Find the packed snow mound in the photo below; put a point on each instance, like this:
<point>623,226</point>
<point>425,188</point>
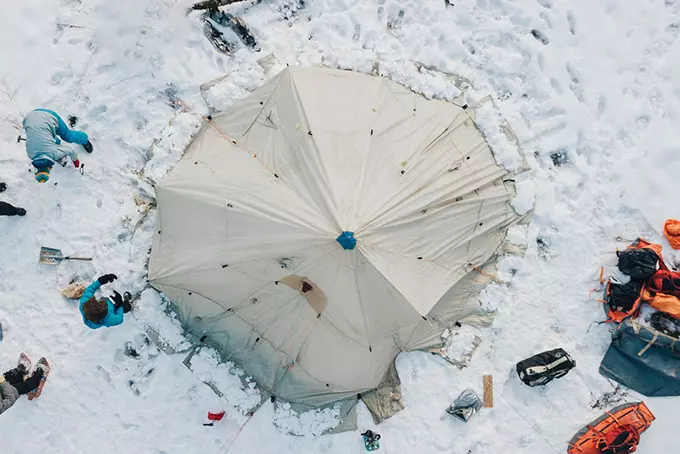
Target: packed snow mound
<point>156,316</point>
<point>526,198</point>
<point>306,423</point>
<point>496,131</point>
<point>460,343</point>
<point>225,378</point>
<point>168,148</point>
<point>235,386</point>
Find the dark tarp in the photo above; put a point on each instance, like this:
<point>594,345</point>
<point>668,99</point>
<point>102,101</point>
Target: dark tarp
<point>643,359</point>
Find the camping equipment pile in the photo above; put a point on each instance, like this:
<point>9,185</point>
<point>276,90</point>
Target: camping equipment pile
<point>644,354</point>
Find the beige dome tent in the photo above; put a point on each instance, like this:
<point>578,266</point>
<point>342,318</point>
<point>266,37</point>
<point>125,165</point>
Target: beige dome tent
<point>324,224</point>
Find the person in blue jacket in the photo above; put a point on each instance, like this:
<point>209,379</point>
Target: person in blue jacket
<point>45,131</point>
<point>103,312</point>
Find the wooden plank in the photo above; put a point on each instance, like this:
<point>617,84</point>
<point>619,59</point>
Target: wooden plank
<point>488,391</point>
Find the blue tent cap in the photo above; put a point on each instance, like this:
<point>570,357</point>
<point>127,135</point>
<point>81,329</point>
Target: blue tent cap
<point>347,240</point>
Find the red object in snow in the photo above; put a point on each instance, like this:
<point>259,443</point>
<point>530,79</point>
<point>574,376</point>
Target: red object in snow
<point>216,416</point>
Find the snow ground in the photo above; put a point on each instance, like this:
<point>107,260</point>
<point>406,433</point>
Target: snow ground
<point>597,81</point>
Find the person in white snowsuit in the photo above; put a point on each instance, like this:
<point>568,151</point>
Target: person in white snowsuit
<point>17,382</point>
<point>9,210</point>
<point>45,131</point>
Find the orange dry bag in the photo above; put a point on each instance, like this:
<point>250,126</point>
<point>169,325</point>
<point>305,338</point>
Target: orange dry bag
<point>672,231</point>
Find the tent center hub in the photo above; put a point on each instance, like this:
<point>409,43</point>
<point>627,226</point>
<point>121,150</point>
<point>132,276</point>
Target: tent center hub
<point>347,240</point>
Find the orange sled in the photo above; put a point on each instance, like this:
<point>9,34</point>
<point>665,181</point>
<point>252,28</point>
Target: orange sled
<point>632,418</point>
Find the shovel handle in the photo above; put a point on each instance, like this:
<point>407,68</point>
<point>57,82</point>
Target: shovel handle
<point>78,258</point>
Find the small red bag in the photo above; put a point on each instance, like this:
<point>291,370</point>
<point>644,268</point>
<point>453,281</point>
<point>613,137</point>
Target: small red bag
<point>216,416</point>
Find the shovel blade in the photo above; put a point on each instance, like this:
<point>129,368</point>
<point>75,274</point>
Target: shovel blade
<point>50,256</point>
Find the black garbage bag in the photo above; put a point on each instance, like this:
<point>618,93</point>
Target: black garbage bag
<point>665,323</point>
<point>622,297</point>
<point>639,264</point>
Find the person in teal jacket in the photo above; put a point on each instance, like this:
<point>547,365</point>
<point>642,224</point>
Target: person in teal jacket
<point>103,312</point>
<point>45,131</point>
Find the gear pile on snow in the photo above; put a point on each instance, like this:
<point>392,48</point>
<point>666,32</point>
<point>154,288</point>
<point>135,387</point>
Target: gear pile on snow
<point>651,282</point>
<point>643,354</point>
<point>639,261</point>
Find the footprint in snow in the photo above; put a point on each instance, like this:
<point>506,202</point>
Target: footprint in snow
<point>571,74</point>
<point>601,105</point>
<point>546,19</point>
<point>395,23</point>
<point>97,111</point>
<point>572,23</point>
<point>540,36</point>
<point>59,76</point>
<point>105,68</point>
<point>642,122</point>
<point>541,61</point>
<point>357,32</point>
<point>381,8</point>
<point>556,85</point>
<point>574,86</point>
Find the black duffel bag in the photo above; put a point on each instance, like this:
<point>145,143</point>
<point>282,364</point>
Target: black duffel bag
<point>622,297</point>
<point>545,367</point>
<point>639,264</point>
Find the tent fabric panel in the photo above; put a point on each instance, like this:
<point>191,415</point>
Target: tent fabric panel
<point>356,368</point>
<point>457,304</point>
<point>239,118</point>
<point>209,221</point>
<point>380,297</point>
<point>412,162</point>
<point>422,269</point>
<point>233,285</point>
<point>283,141</point>
<point>339,107</point>
<point>300,387</point>
<point>173,238</point>
<point>431,179</point>
<point>230,334</point>
<point>193,310</point>
<point>282,317</point>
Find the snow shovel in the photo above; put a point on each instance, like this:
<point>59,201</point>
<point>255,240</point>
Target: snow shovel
<point>50,256</point>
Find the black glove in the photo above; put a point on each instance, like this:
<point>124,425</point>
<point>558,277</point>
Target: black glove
<point>119,301</point>
<point>88,147</point>
<point>107,278</point>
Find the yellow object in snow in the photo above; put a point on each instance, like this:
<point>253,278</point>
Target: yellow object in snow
<point>74,291</point>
